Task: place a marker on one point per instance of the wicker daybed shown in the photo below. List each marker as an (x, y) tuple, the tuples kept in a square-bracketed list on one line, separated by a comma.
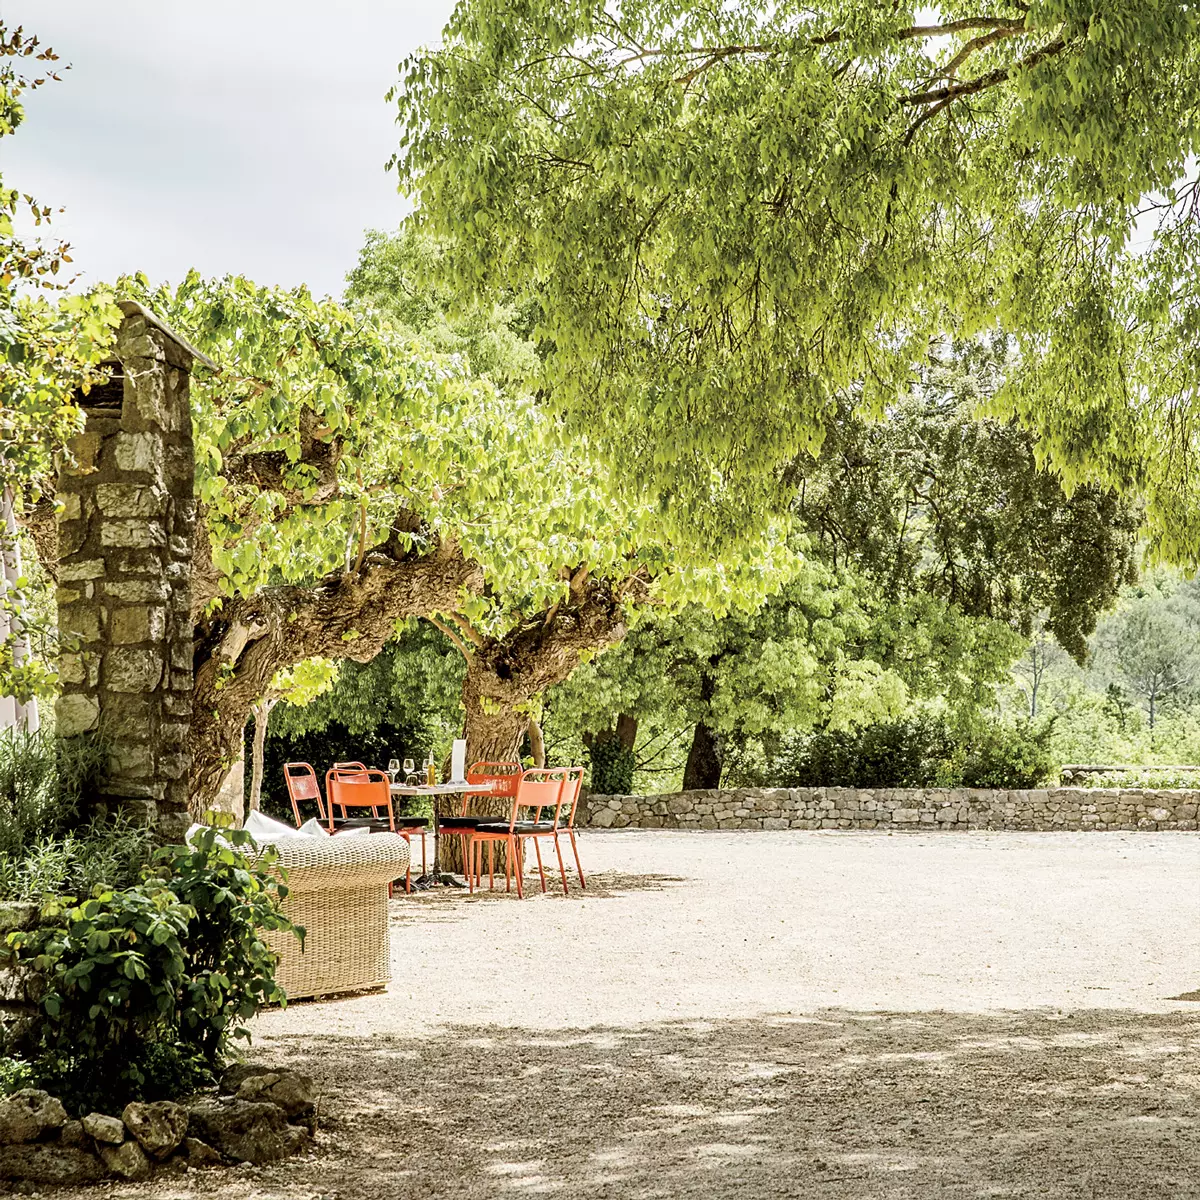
[(338, 891)]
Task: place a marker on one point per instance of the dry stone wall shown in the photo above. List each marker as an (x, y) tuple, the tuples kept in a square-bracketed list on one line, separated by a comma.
[(896, 808), (124, 574)]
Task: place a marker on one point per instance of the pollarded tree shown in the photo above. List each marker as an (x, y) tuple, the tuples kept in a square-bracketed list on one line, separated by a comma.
[(739, 216), (349, 479)]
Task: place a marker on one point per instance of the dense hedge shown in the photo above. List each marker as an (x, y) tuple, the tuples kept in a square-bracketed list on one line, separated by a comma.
[(922, 751)]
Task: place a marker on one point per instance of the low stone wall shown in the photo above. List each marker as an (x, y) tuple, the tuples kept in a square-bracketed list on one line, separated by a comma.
[(896, 808)]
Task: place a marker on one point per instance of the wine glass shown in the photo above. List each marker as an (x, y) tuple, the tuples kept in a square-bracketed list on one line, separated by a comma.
[(409, 767), (393, 768)]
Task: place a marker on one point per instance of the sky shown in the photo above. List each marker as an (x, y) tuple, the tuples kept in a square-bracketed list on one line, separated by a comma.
[(234, 136)]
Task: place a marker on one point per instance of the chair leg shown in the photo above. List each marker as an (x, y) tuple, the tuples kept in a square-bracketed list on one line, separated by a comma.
[(514, 852), (408, 868), (424, 868), (537, 849), (491, 865), (561, 869), (578, 864), (468, 851)]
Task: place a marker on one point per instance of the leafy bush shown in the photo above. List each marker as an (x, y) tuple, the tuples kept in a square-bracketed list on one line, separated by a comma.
[(1008, 756), (612, 767), (922, 751), (15, 1074), (145, 986), (229, 970)]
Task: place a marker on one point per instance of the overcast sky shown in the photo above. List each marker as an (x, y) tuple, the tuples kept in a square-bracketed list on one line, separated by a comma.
[(245, 136)]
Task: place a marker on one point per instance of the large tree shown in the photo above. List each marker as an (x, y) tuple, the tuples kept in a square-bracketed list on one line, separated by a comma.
[(740, 217), (350, 478)]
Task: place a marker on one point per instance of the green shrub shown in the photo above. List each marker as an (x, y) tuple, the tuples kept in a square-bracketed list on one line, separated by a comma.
[(612, 767), (229, 969), (15, 1074), (144, 987), (1008, 756), (922, 751)]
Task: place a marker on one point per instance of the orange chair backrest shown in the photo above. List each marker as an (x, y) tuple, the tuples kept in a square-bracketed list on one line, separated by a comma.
[(358, 789), (348, 766), (572, 786), (541, 789), (302, 784), (505, 778)]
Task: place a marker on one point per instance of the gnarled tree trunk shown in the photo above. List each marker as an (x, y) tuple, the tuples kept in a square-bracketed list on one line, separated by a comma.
[(240, 648), (505, 674)]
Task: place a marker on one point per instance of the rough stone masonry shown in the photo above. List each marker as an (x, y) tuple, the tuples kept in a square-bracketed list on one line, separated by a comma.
[(124, 585), (897, 808)]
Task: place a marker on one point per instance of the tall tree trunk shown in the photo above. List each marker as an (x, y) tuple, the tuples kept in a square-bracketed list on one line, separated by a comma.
[(704, 760), (262, 718), (505, 674), (706, 755), (537, 743)]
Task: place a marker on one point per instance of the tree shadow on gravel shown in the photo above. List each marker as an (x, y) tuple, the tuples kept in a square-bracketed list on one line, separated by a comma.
[(1097, 1104), (603, 885)]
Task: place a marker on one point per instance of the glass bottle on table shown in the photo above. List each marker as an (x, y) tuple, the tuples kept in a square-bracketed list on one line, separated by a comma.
[(430, 773)]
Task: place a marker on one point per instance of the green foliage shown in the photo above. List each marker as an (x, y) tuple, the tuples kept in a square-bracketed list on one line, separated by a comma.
[(736, 216), (51, 343), (924, 750), (107, 853), (114, 973), (1147, 648), (15, 1074), (1008, 756), (228, 967), (937, 500), (145, 986), (401, 277), (612, 767), (42, 783)]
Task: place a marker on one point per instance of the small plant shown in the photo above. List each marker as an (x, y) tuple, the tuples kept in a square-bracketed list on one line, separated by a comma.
[(108, 853), (15, 1074)]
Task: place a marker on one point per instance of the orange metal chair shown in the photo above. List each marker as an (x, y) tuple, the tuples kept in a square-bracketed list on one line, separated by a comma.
[(302, 784), (361, 787), (566, 821), (504, 777), (540, 789)]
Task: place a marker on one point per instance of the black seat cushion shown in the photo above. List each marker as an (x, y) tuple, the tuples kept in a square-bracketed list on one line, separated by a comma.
[(463, 822), (379, 824), (520, 827)]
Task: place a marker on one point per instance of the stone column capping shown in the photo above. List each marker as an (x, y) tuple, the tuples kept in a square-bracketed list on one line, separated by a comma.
[(124, 585)]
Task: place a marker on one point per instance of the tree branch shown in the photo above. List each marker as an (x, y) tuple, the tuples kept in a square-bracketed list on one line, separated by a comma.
[(981, 82), (462, 646)]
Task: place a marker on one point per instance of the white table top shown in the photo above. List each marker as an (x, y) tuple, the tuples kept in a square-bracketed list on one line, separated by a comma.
[(441, 789)]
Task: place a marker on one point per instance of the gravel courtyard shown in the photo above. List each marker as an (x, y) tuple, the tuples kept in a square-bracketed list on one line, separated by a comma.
[(772, 1015)]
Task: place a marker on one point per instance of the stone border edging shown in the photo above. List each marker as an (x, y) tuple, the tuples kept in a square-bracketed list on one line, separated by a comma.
[(897, 808)]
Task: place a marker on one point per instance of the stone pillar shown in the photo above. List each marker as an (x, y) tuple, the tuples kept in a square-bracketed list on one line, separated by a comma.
[(124, 576)]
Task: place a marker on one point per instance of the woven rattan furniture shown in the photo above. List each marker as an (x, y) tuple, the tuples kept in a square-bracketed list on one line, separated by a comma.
[(337, 890)]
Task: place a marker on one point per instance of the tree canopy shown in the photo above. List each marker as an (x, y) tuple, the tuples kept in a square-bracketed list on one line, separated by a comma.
[(739, 217)]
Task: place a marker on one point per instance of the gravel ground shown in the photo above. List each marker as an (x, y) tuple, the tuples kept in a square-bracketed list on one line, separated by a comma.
[(747, 1014)]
